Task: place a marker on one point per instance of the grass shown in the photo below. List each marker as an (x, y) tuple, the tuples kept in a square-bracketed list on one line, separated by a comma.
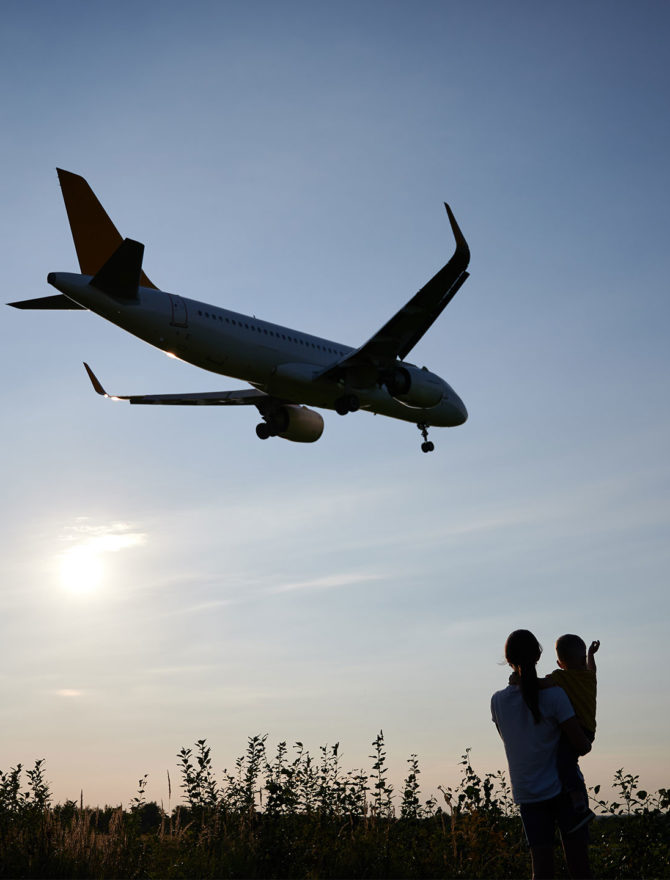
[(292, 815)]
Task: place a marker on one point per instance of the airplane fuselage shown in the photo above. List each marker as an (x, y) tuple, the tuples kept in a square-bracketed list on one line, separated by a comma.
[(277, 360)]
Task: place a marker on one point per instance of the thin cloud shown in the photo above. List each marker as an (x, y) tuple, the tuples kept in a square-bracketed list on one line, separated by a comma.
[(326, 583), (180, 669), (104, 538), (206, 606)]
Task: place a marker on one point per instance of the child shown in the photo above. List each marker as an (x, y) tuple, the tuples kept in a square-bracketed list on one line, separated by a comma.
[(577, 676)]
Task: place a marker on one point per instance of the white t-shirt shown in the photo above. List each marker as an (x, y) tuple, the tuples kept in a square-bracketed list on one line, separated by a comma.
[(530, 747)]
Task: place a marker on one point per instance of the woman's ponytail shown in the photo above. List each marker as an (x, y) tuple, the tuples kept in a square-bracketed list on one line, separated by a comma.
[(522, 651)]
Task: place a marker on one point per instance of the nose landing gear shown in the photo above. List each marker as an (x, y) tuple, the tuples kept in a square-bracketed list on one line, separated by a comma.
[(427, 445)]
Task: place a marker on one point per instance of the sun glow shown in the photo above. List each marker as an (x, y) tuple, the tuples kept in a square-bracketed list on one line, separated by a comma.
[(81, 569), (82, 566)]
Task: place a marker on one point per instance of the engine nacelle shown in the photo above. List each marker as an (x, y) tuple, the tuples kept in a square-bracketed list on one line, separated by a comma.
[(300, 424), (418, 389), (399, 382)]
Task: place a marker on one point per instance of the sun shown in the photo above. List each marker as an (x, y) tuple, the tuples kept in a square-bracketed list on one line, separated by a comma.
[(81, 570), (84, 567)]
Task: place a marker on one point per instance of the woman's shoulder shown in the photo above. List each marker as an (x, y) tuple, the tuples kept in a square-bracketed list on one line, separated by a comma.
[(507, 693)]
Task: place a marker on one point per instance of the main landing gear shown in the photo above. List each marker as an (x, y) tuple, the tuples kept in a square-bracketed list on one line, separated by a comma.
[(427, 445), (276, 422), (346, 404)]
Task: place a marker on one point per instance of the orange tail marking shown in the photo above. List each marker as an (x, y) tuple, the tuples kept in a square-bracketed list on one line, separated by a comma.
[(95, 236)]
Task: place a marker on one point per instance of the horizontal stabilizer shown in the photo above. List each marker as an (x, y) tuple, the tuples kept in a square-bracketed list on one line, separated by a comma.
[(95, 236), (120, 276), (58, 301)]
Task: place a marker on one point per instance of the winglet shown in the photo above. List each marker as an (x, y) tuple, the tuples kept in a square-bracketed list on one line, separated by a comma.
[(95, 236), (461, 244), (94, 381)]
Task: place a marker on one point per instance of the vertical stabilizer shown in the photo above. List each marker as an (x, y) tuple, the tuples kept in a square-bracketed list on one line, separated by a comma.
[(95, 236), (120, 275)]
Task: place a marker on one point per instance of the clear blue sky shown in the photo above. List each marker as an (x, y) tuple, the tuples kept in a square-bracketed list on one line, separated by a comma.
[(290, 160)]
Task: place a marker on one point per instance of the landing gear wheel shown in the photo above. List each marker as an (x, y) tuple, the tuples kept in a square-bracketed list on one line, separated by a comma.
[(263, 431), (427, 445), (346, 404)]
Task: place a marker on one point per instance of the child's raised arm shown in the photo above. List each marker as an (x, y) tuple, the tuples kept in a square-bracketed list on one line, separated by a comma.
[(590, 659)]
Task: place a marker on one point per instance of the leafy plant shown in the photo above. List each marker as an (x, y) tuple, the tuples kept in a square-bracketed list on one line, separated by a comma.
[(293, 816)]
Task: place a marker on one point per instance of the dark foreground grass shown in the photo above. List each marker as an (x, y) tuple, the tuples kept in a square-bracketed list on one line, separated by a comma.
[(293, 816)]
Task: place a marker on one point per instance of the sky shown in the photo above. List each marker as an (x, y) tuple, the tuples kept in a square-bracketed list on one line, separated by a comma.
[(166, 576)]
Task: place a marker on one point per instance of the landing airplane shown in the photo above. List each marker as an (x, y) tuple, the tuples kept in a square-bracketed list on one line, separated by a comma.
[(286, 368)]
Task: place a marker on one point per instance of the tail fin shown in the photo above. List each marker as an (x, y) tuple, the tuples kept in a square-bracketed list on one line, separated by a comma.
[(95, 236), (120, 275)]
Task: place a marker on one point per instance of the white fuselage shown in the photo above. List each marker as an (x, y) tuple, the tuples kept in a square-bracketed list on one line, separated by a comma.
[(275, 359)]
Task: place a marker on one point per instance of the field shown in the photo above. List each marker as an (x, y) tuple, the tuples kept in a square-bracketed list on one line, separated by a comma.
[(290, 815)]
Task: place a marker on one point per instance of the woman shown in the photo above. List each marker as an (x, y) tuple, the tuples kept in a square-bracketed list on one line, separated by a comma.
[(530, 720)]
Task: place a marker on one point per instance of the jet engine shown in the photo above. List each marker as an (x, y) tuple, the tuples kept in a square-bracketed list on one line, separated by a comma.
[(290, 422), (418, 389), (399, 382)]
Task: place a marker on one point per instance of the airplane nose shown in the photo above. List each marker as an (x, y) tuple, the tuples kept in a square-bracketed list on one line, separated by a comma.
[(460, 412), (459, 406), (455, 408)]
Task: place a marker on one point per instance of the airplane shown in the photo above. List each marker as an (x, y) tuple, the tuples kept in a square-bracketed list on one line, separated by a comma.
[(288, 370)]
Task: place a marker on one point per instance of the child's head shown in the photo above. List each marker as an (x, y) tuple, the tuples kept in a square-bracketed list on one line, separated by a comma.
[(571, 652)]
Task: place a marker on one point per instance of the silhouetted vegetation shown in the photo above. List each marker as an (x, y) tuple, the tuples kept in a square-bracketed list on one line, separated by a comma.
[(291, 815)]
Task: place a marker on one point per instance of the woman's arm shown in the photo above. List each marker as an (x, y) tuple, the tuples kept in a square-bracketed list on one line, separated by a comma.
[(576, 736)]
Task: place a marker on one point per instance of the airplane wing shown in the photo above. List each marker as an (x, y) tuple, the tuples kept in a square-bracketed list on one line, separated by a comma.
[(209, 398), (399, 335)]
